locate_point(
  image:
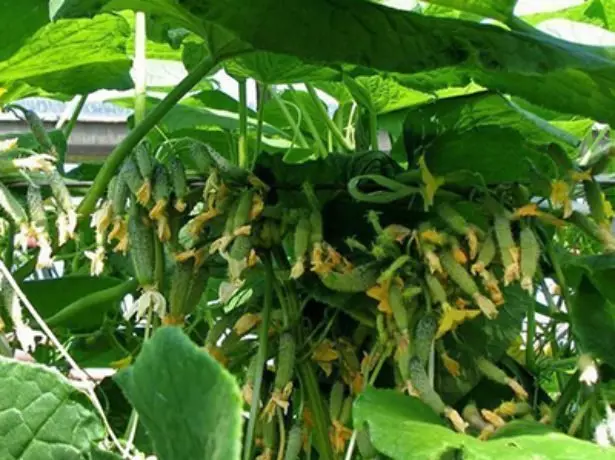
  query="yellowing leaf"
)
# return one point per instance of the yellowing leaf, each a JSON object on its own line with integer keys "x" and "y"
{"x": 431, "y": 183}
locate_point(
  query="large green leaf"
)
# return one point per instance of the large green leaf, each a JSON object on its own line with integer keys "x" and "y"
{"x": 72, "y": 56}
{"x": 32, "y": 16}
{"x": 600, "y": 13}
{"x": 42, "y": 415}
{"x": 392, "y": 417}
{"x": 558, "y": 74}
{"x": 189, "y": 404}
{"x": 593, "y": 321}
{"x": 52, "y": 295}
{"x": 497, "y": 9}
{"x": 386, "y": 95}
{"x": 272, "y": 69}
{"x": 482, "y": 133}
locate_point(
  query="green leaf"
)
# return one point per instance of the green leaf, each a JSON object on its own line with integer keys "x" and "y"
{"x": 599, "y": 13}
{"x": 188, "y": 403}
{"x": 387, "y": 95}
{"x": 392, "y": 417}
{"x": 42, "y": 415}
{"x": 73, "y": 56}
{"x": 275, "y": 69}
{"x": 450, "y": 131}
{"x": 50, "y": 296}
{"x": 548, "y": 71}
{"x": 560, "y": 75}
{"x": 593, "y": 321}
{"x": 501, "y": 10}
{"x": 18, "y": 22}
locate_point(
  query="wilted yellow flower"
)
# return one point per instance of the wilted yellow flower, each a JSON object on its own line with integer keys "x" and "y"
{"x": 431, "y": 183}
{"x": 339, "y": 436}
{"x": 246, "y": 322}
{"x": 451, "y": 365}
{"x": 195, "y": 226}
{"x": 397, "y": 232}
{"x": 458, "y": 422}
{"x": 560, "y": 197}
{"x": 97, "y": 260}
{"x": 493, "y": 418}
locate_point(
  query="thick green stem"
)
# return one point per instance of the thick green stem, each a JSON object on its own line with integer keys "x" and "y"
{"x": 568, "y": 393}
{"x": 295, "y": 126}
{"x": 68, "y": 129}
{"x": 530, "y": 355}
{"x": 320, "y": 414}
{"x": 322, "y": 148}
{"x": 140, "y": 68}
{"x": 259, "y": 125}
{"x": 243, "y": 124}
{"x": 91, "y": 301}
{"x": 261, "y": 361}
{"x": 373, "y": 129}
{"x": 335, "y": 131}
{"x": 9, "y": 251}
{"x": 123, "y": 149}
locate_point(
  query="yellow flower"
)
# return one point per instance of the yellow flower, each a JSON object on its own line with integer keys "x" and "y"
{"x": 507, "y": 409}
{"x": 452, "y": 318}
{"x": 257, "y": 206}
{"x": 460, "y": 256}
{"x": 560, "y": 197}
{"x": 195, "y": 226}
{"x": 433, "y": 236}
{"x": 180, "y": 205}
{"x": 144, "y": 193}
{"x": 318, "y": 264}
{"x": 324, "y": 354}
{"x": 472, "y": 239}
{"x": 581, "y": 176}
{"x": 485, "y": 305}
{"x": 451, "y": 365}
{"x": 433, "y": 262}
{"x": 159, "y": 209}
{"x": 531, "y": 210}
{"x": 101, "y": 219}
{"x": 380, "y": 292}
{"x": 163, "y": 229}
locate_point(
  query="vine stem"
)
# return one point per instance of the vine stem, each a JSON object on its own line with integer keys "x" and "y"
{"x": 373, "y": 129}
{"x": 68, "y": 129}
{"x": 333, "y": 128}
{"x": 123, "y": 149}
{"x": 243, "y": 123}
{"x": 259, "y": 125}
{"x": 322, "y": 148}
{"x": 140, "y": 67}
{"x": 295, "y": 126}
{"x": 261, "y": 360}
{"x": 530, "y": 354}
{"x": 80, "y": 373}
